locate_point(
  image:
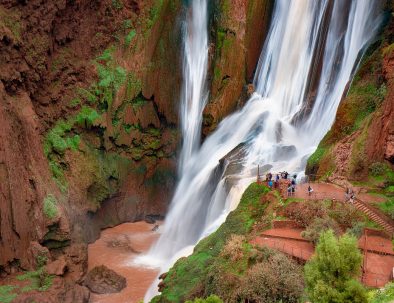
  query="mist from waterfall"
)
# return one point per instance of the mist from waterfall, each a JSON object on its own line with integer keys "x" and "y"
{"x": 308, "y": 59}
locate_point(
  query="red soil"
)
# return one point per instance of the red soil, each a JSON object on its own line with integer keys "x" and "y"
{"x": 330, "y": 191}
{"x": 117, "y": 248}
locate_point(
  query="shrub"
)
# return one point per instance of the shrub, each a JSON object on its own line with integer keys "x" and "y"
{"x": 331, "y": 275}
{"x": 346, "y": 215}
{"x": 318, "y": 226}
{"x": 86, "y": 117}
{"x": 50, "y": 208}
{"x": 278, "y": 279}
{"x": 356, "y": 230}
{"x": 384, "y": 295}
{"x": 305, "y": 212}
{"x": 377, "y": 169}
{"x": 233, "y": 249}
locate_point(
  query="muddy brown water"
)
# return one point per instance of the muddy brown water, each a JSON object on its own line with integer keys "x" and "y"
{"x": 116, "y": 248}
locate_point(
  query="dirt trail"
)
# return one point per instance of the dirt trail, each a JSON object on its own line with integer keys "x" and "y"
{"x": 117, "y": 248}
{"x": 330, "y": 191}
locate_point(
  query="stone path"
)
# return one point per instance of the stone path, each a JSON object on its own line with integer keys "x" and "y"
{"x": 378, "y": 255}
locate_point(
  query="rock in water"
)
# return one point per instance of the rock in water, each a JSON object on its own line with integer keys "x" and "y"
{"x": 103, "y": 280}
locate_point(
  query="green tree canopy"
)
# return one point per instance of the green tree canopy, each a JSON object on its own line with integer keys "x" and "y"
{"x": 332, "y": 274}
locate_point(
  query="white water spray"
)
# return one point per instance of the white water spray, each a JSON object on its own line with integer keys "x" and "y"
{"x": 293, "y": 108}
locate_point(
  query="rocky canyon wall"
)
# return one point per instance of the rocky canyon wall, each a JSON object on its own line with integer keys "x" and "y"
{"x": 359, "y": 146}
{"x": 89, "y": 97}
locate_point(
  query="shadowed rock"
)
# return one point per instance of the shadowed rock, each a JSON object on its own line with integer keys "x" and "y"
{"x": 103, "y": 280}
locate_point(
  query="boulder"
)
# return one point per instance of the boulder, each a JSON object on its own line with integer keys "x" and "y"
{"x": 103, "y": 280}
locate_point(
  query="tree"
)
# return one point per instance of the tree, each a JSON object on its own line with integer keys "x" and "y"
{"x": 331, "y": 275}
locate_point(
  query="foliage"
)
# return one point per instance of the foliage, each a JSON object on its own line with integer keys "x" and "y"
{"x": 154, "y": 13}
{"x": 278, "y": 279}
{"x": 346, "y": 214}
{"x": 55, "y": 140}
{"x": 129, "y": 37}
{"x": 210, "y": 299}
{"x": 356, "y": 229}
{"x": 388, "y": 207}
{"x": 50, "y": 208}
{"x": 318, "y": 226}
{"x": 6, "y": 293}
{"x": 377, "y": 169}
{"x": 305, "y": 212}
{"x": 189, "y": 274}
{"x": 86, "y": 117}
{"x": 40, "y": 280}
{"x": 384, "y": 295}
{"x": 316, "y": 157}
{"x": 331, "y": 275}
{"x": 234, "y": 249}
{"x": 117, "y": 4}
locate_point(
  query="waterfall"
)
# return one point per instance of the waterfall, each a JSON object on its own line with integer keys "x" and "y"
{"x": 194, "y": 95}
{"x": 308, "y": 59}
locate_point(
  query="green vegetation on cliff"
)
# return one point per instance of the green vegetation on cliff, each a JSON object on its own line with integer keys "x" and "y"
{"x": 227, "y": 265}
{"x": 346, "y": 150}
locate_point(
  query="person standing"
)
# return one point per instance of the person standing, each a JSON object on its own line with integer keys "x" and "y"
{"x": 310, "y": 190}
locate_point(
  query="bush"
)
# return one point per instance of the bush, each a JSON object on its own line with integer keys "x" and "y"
{"x": 332, "y": 273}
{"x": 233, "y": 249}
{"x": 50, "y": 208}
{"x": 356, "y": 230}
{"x": 278, "y": 279}
{"x": 384, "y": 295}
{"x": 305, "y": 212}
{"x": 86, "y": 117}
{"x": 377, "y": 169}
{"x": 318, "y": 226}
{"x": 346, "y": 215}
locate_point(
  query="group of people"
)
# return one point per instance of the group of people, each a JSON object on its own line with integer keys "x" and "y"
{"x": 273, "y": 181}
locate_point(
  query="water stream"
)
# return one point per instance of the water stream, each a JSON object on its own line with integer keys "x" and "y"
{"x": 307, "y": 61}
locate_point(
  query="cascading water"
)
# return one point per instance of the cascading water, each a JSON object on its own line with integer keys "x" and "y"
{"x": 194, "y": 95}
{"x": 307, "y": 60}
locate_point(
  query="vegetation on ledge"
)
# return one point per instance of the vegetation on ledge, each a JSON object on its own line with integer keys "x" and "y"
{"x": 227, "y": 265}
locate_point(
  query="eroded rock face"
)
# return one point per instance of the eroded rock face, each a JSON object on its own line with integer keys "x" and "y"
{"x": 103, "y": 280}
{"x": 235, "y": 53}
{"x": 57, "y": 267}
{"x": 122, "y": 165}
{"x": 363, "y": 132}
{"x": 46, "y": 53}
